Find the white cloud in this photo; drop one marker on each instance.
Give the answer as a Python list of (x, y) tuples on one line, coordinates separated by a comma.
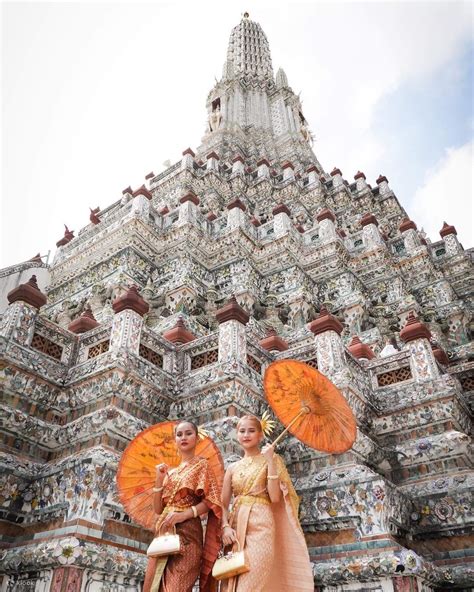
[(446, 195)]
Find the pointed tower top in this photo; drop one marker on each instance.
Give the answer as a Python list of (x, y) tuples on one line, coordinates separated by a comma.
[(248, 51)]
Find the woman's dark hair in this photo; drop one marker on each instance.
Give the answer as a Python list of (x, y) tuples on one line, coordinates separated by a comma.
[(191, 423)]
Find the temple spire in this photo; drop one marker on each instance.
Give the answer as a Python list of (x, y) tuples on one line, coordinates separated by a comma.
[(248, 52)]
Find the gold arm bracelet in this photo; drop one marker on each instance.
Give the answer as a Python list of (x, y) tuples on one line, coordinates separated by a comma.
[(157, 489), (270, 477), (195, 512)]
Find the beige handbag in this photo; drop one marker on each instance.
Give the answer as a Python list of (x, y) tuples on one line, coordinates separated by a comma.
[(230, 565), (164, 544)]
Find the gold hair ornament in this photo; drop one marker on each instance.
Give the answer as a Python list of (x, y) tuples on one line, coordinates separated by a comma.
[(268, 425), (202, 434)]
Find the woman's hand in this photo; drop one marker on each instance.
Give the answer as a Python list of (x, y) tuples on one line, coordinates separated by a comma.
[(161, 472), (229, 536), (268, 451), (172, 519)]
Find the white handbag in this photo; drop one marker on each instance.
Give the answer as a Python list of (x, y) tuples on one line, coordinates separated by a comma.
[(230, 565), (164, 544)]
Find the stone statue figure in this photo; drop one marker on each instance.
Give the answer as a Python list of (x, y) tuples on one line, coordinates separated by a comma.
[(215, 119)]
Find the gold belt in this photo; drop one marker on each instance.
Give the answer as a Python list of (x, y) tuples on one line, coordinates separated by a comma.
[(253, 499), (169, 509)]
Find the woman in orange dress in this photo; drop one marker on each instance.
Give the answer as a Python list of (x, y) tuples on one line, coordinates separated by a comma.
[(181, 496), (264, 518)]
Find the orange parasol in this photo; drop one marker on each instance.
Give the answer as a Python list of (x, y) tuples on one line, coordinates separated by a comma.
[(137, 468), (311, 407)]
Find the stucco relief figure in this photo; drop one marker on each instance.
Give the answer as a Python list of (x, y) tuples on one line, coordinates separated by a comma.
[(215, 119)]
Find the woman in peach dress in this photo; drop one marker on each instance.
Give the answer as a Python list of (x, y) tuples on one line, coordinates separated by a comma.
[(264, 518), (181, 496)]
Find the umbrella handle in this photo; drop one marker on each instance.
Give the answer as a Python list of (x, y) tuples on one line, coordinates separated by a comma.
[(304, 411)]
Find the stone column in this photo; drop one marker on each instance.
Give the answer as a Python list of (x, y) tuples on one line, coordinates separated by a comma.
[(448, 234), (281, 220), (212, 162), (235, 214), (238, 165), (360, 179), (313, 179), (141, 203), (422, 361), (232, 319), (128, 321), (188, 209), (187, 162), (329, 347), (371, 236), (288, 171), (410, 236), (263, 170), (18, 321), (327, 225), (382, 182), (336, 175)]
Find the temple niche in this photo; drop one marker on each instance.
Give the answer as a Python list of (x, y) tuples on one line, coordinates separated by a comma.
[(172, 302)]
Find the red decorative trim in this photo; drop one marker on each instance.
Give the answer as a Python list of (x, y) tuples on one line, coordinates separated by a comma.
[(149, 176), (67, 238), (360, 175), (179, 334), (131, 300), (93, 217), (211, 216), (288, 165), (190, 196), (29, 293), (360, 350), (335, 171), (325, 214), (447, 229), (312, 168), (281, 209), (127, 190), (164, 211), (407, 224), (142, 191), (414, 329), (84, 323), (272, 342), (232, 311), (212, 155), (263, 161), (188, 151), (325, 322), (368, 219), (341, 233), (238, 158), (300, 229), (381, 179), (440, 354), (255, 222), (236, 203)]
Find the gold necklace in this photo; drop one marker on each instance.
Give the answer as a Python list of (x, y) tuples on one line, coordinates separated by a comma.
[(246, 462)]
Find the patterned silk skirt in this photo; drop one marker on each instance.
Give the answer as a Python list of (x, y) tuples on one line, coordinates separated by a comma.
[(255, 526), (177, 573)]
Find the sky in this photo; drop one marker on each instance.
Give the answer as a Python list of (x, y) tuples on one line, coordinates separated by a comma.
[(97, 95)]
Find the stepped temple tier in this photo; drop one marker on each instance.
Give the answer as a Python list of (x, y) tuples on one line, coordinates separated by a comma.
[(174, 299)]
